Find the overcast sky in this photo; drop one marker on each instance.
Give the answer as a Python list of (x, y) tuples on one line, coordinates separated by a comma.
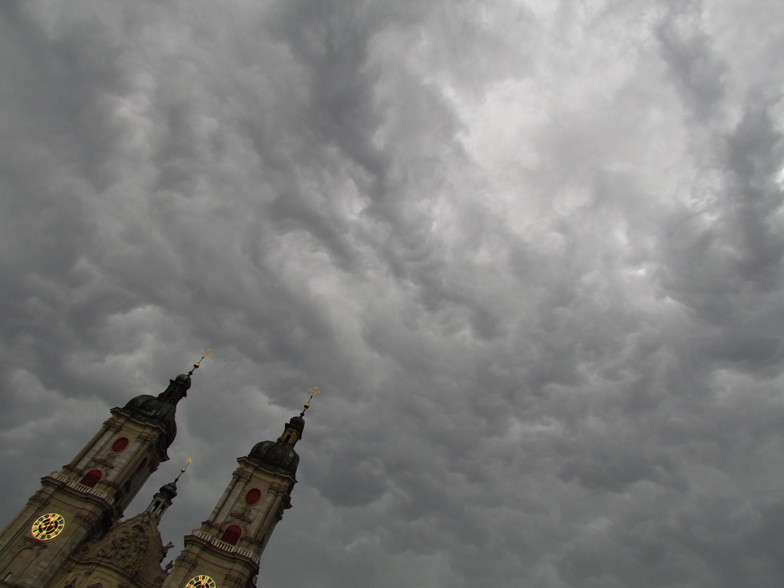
[(530, 251)]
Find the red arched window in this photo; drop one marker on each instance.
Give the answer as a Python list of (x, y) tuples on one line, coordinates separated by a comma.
[(232, 534), (91, 478), (120, 444), (252, 497)]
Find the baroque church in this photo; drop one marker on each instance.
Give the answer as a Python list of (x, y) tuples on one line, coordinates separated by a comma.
[(71, 534)]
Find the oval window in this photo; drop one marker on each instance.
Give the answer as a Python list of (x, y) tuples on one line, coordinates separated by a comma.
[(120, 444), (232, 534), (253, 496)]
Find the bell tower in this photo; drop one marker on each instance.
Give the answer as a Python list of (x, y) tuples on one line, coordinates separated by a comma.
[(226, 550), (82, 500), (130, 554)]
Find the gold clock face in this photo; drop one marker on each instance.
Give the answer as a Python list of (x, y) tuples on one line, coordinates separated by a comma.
[(48, 526), (200, 582)]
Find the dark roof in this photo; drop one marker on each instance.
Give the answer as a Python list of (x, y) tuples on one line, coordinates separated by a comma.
[(276, 455), (161, 410)]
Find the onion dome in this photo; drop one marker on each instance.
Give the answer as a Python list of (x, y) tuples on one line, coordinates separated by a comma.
[(169, 490), (276, 455), (280, 455), (161, 410)]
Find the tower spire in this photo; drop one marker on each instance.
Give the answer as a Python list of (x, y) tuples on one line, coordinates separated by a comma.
[(178, 387), (160, 410), (204, 353), (314, 391)]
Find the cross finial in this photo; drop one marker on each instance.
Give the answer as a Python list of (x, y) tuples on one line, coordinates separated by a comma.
[(204, 353), (188, 462), (313, 392)]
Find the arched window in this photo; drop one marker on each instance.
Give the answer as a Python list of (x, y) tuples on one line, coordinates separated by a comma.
[(252, 497), (232, 534), (91, 478)]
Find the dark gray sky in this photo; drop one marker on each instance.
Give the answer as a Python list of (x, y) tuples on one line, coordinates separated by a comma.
[(530, 251)]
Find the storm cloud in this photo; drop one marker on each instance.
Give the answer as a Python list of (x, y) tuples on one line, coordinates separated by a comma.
[(531, 252)]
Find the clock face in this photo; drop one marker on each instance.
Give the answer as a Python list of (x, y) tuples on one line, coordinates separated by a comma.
[(48, 526), (200, 582)]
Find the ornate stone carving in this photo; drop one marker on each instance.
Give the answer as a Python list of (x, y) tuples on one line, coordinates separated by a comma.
[(244, 512), (126, 549), (147, 439), (185, 559), (29, 542), (229, 580), (112, 425), (88, 518), (107, 462), (37, 498), (241, 475)]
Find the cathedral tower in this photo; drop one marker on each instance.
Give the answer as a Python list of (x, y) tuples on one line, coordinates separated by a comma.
[(226, 550), (130, 554), (82, 500)]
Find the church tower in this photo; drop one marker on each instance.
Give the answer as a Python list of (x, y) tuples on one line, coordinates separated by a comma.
[(226, 550), (130, 554), (84, 499)]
